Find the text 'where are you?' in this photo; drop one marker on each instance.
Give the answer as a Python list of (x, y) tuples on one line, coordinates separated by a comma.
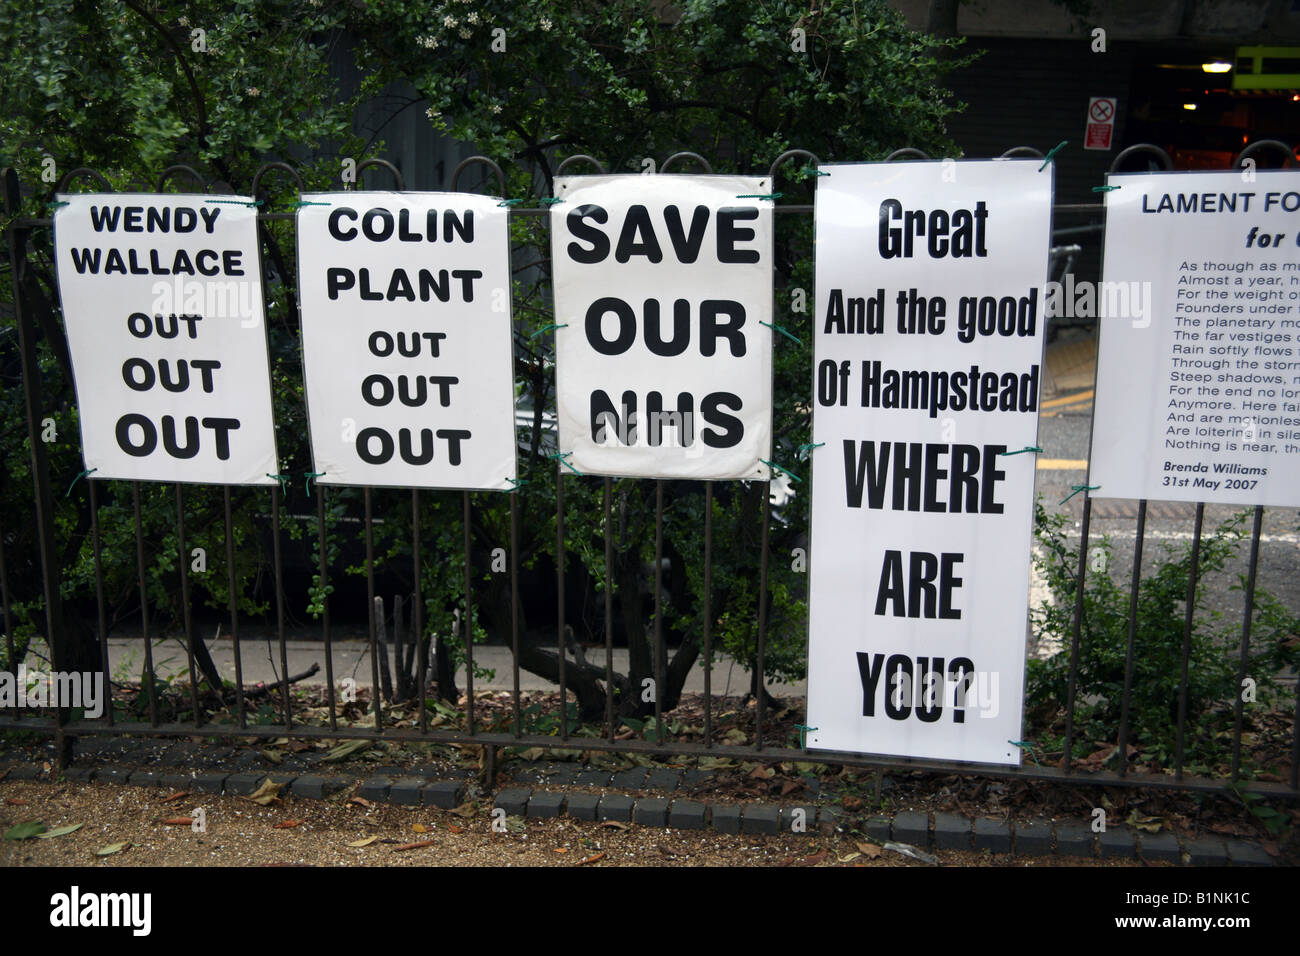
[(663, 313)]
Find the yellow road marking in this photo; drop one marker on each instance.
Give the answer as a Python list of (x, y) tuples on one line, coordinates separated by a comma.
[(1067, 399)]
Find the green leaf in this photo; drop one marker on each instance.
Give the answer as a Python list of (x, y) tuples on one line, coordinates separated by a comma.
[(60, 831), (112, 848), (25, 831)]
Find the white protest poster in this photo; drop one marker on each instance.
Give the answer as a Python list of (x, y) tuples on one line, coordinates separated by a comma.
[(162, 299), (663, 365), (406, 339), (1198, 360), (928, 347)]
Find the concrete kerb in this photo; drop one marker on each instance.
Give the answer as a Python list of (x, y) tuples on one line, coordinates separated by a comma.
[(665, 808)]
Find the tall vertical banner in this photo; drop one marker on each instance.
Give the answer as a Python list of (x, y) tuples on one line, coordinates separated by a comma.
[(663, 364), (162, 299), (406, 339), (928, 346), (1198, 364)]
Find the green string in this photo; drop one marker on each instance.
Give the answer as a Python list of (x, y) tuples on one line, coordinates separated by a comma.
[(781, 330), (548, 328), (517, 483), (784, 471), (549, 201), (233, 202), (760, 196), (1026, 745), (88, 471), (1103, 189), (561, 457), (809, 171), (1050, 153), (284, 482), (1033, 448), (310, 476), (809, 447), (509, 202), (306, 202), (803, 730), (1077, 489)]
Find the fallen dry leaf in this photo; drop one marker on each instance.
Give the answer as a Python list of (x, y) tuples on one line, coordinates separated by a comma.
[(869, 850), (266, 793), (364, 842), (815, 858), (561, 849), (615, 825), (850, 858), (790, 786), (287, 825), (15, 802), (111, 849), (593, 858), (178, 795), (360, 801), (413, 846), (419, 828), (178, 821), (852, 804), (452, 828)]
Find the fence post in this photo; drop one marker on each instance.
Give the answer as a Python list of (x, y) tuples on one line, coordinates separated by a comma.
[(60, 653)]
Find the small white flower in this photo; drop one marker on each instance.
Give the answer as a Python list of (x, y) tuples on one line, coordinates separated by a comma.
[(496, 107), (450, 22), (183, 21), (466, 32), (428, 42), (472, 18), (432, 113), (253, 91), (545, 24)]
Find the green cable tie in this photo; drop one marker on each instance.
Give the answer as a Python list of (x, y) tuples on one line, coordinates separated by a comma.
[(1103, 189), (284, 482), (561, 457), (781, 330), (549, 201), (233, 202), (517, 483), (547, 328), (1026, 745), (810, 446), (88, 471), (803, 730), (310, 476), (1077, 489), (760, 196), (1033, 448), (55, 205), (510, 202), (1050, 153), (810, 171), (307, 202), (784, 471)]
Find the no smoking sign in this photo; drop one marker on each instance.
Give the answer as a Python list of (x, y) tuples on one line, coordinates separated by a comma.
[(1101, 122)]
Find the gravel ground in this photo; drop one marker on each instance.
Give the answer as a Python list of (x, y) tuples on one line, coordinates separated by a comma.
[(241, 833)]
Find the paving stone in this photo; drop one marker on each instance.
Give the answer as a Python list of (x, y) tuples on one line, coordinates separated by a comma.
[(807, 821), (694, 777), (246, 760), (651, 812), (726, 817), (951, 832), (390, 770), (633, 779), (407, 791), (173, 781), (563, 777), (759, 818), (1160, 846), (309, 785), (1117, 842), (581, 806), (207, 781), (283, 779), (992, 835), (1207, 851), (444, 794), (615, 806), (1244, 853), (663, 779), (78, 774), (375, 788), (243, 784), (913, 828), (1073, 839), (145, 778), (687, 815), (545, 804), (593, 778), (514, 800), (1034, 838), (104, 775), (878, 828)]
